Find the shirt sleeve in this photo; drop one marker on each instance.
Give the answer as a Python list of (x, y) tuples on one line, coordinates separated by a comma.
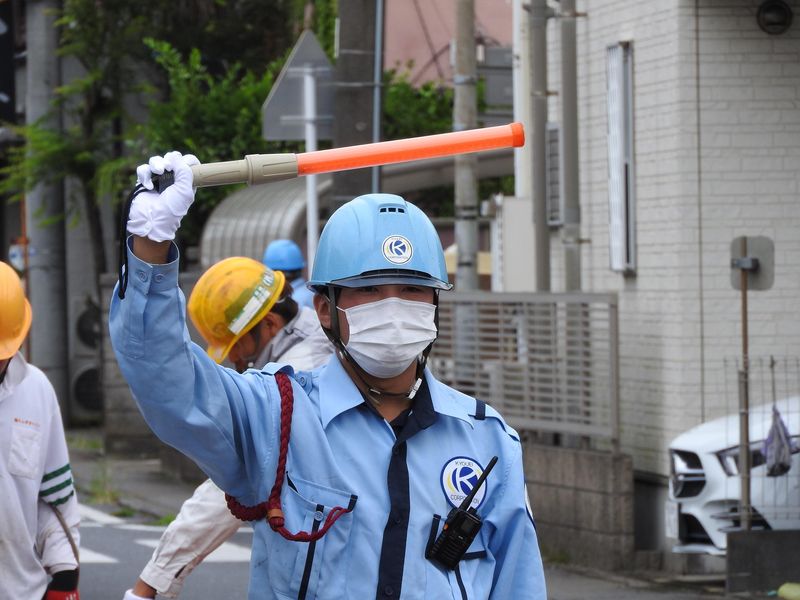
[(519, 572), (191, 403), (57, 493), (203, 524)]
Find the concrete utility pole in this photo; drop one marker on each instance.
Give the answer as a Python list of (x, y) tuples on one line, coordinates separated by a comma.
[(537, 19), (570, 182), (353, 123), (465, 116), (45, 244)]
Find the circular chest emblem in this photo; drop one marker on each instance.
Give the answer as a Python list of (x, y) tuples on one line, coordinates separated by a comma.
[(459, 476), (397, 249)]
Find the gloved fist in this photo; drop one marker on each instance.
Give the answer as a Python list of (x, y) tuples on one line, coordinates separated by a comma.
[(158, 216)]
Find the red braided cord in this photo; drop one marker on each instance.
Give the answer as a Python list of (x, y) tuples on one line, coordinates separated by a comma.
[(271, 509)]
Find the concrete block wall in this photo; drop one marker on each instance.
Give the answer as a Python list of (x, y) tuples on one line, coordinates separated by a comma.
[(125, 430), (717, 150), (582, 503)]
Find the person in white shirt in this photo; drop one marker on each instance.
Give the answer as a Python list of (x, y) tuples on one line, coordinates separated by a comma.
[(273, 328), (38, 506)]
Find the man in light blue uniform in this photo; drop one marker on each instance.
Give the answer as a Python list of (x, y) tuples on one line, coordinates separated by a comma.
[(286, 256), (372, 431)]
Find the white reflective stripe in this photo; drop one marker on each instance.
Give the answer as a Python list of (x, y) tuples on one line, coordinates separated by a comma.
[(260, 296)]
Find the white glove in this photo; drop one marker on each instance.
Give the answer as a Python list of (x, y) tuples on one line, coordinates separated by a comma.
[(129, 595), (158, 216)]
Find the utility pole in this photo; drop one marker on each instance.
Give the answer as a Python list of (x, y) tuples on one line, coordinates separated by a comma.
[(465, 109), (570, 188), (537, 19), (45, 243), (353, 122)]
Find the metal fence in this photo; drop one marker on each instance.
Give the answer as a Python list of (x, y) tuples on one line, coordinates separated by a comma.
[(772, 381), (547, 362)]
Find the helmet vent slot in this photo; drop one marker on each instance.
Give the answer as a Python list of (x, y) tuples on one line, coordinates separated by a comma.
[(391, 209)]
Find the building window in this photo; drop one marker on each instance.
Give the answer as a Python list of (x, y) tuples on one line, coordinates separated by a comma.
[(621, 172)]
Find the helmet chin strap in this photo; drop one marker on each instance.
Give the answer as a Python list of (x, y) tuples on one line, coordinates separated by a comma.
[(374, 393)]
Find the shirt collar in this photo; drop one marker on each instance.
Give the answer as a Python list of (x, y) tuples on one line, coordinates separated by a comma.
[(16, 373), (338, 393)]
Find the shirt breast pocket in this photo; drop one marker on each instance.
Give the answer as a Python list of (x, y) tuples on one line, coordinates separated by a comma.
[(23, 455), (470, 580), (296, 568)]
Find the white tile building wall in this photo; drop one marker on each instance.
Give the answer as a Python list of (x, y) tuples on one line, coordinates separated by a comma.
[(738, 173)]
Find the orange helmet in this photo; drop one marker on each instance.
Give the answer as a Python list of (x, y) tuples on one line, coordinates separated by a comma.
[(230, 298), (15, 312)]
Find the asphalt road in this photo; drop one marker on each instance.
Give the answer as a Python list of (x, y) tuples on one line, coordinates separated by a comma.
[(114, 550)]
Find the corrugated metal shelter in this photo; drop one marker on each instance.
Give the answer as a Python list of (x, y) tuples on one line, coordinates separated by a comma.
[(250, 218)]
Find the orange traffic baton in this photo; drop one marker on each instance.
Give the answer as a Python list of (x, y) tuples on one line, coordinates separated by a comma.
[(263, 168)]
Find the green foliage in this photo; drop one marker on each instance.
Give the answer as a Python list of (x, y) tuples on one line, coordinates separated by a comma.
[(323, 23), (411, 111), (216, 118)]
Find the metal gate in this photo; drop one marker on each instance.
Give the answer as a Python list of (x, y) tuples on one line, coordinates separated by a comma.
[(547, 362)]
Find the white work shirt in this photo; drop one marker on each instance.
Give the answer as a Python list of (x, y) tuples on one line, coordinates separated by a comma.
[(204, 521), (34, 467), (400, 485)]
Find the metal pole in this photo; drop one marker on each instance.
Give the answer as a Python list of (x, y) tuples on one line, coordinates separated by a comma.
[(46, 279), (537, 15), (613, 328), (312, 206), (569, 149), (465, 117), (377, 79), (744, 405)]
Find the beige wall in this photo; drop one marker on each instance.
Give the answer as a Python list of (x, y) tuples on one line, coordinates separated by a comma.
[(679, 316)]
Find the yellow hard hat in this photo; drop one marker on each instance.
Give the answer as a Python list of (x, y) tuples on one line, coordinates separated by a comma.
[(15, 312), (230, 298)]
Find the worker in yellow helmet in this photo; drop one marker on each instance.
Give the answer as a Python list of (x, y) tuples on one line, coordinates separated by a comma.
[(245, 313)]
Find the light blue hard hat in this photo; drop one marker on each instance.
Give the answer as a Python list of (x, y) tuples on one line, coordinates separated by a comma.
[(284, 255), (379, 239)]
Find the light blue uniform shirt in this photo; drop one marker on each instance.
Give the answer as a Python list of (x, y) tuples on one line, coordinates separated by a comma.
[(339, 449), (301, 294)]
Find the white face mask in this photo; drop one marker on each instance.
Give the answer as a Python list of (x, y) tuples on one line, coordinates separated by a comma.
[(388, 335)]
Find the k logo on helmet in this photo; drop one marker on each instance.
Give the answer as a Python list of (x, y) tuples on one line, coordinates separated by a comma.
[(397, 249), (459, 476)]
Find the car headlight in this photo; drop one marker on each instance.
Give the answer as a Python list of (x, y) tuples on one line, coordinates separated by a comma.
[(729, 459)]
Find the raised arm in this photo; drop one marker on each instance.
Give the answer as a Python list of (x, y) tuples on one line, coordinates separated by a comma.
[(189, 401)]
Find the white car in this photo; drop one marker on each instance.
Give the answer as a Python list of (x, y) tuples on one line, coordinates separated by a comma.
[(704, 487)]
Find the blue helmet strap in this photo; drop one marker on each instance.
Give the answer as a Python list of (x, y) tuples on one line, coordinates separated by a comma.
[(370, 391)]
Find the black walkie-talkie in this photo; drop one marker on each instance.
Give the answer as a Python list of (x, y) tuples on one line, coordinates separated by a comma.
[(460, 528)]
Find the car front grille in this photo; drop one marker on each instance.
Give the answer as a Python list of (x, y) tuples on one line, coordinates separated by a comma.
[(687, 476)]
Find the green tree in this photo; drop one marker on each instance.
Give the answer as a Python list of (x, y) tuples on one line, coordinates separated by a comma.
[(214, 118), (94, 146)]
